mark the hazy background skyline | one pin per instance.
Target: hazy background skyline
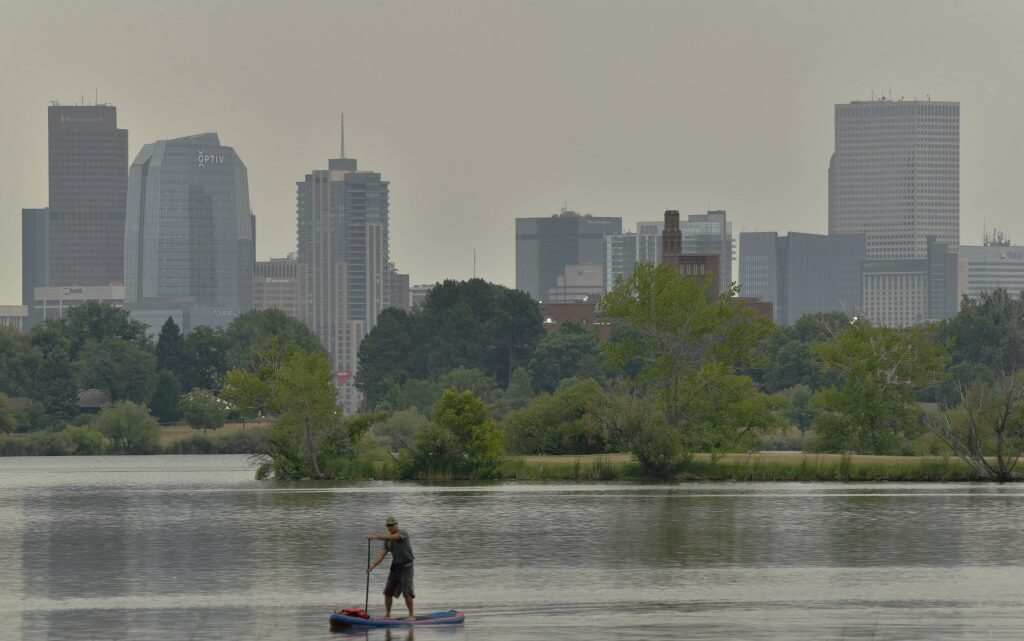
(479, 112)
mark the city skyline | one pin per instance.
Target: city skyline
(612, 111)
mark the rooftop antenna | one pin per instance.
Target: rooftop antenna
(474, 262)
(342, 135)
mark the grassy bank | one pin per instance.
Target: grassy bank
(171, 434)
(774, 466)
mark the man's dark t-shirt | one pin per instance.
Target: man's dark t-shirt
(401, 551)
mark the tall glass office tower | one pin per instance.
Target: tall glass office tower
(895, 175)
(189, 250)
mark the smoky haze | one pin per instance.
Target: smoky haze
(479, 112)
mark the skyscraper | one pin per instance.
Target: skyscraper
(88, 158)
(188, 246)
(546, 246)
(802, 273)
(343, 260)
(895, 175)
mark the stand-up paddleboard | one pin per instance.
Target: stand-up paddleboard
(437, 618)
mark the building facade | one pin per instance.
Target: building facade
(895, 175)
(275, 285)
(991, 267)
(35, 252)
(88, 176)
(14, 316)
(546, 246)
(901, 293)
(624, 251)
(188, 245)
(343, 261)
(707, 234)
(803, 274)
(701, 267)
(54, 302)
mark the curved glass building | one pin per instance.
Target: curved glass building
(189, 250)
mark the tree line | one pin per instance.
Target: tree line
(471, 375)
(142, 382)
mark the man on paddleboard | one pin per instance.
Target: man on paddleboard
(400, 577)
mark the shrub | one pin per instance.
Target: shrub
(129, 427)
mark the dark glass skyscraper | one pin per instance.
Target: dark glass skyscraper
(35, 251)
(88, 185)
(546, 246)
(189, 234)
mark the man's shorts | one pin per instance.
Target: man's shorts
(400, 582)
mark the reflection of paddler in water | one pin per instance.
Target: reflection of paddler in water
(390, 634)
(395, 635)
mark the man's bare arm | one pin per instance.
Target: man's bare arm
(376, 562)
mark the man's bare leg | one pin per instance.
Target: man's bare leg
(408, 604)
(387, 606)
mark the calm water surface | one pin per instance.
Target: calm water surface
(191, 547)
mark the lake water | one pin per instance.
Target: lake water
(191, 547)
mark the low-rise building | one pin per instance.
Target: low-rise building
(53, 302)
(15, 316)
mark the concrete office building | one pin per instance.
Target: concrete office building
(344, 260)
(400, 296)
(275, 285)
(901, 293)
(546, 246)
(895, 175)
(189, 250)
(710, 233)
(418, 294)
(88, 175)
(802, 274)
(54, 302)
(577, 283)
(995, 265)
(14, 316)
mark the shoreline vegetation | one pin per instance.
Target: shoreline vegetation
(683, 384)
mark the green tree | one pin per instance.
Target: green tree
(119, 368)
(206, 358)
(129, 427)
(792, 359)
(56, 388)
(399, 430)
(32, 417)
(310, 432)
(203, 411)
(517, 396)
(97, 322)
(874, 409)
(170, 350)
(19, 363)
(986, 429)
(568, 422)
(683, 341)
(164, 403)
(471, 324)
(255, 331)
(8, 422)
(989, 331)
(570, 351)
(462, 439)
(800, 411)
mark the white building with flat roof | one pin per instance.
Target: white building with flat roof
(895, 175)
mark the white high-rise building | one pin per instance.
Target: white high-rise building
(895, 175)
(343, 262)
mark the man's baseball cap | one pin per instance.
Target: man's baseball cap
(391, 521)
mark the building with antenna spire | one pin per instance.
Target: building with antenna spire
(343, 257)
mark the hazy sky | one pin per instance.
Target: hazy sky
(479, 112)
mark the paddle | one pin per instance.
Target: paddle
(367, 605)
